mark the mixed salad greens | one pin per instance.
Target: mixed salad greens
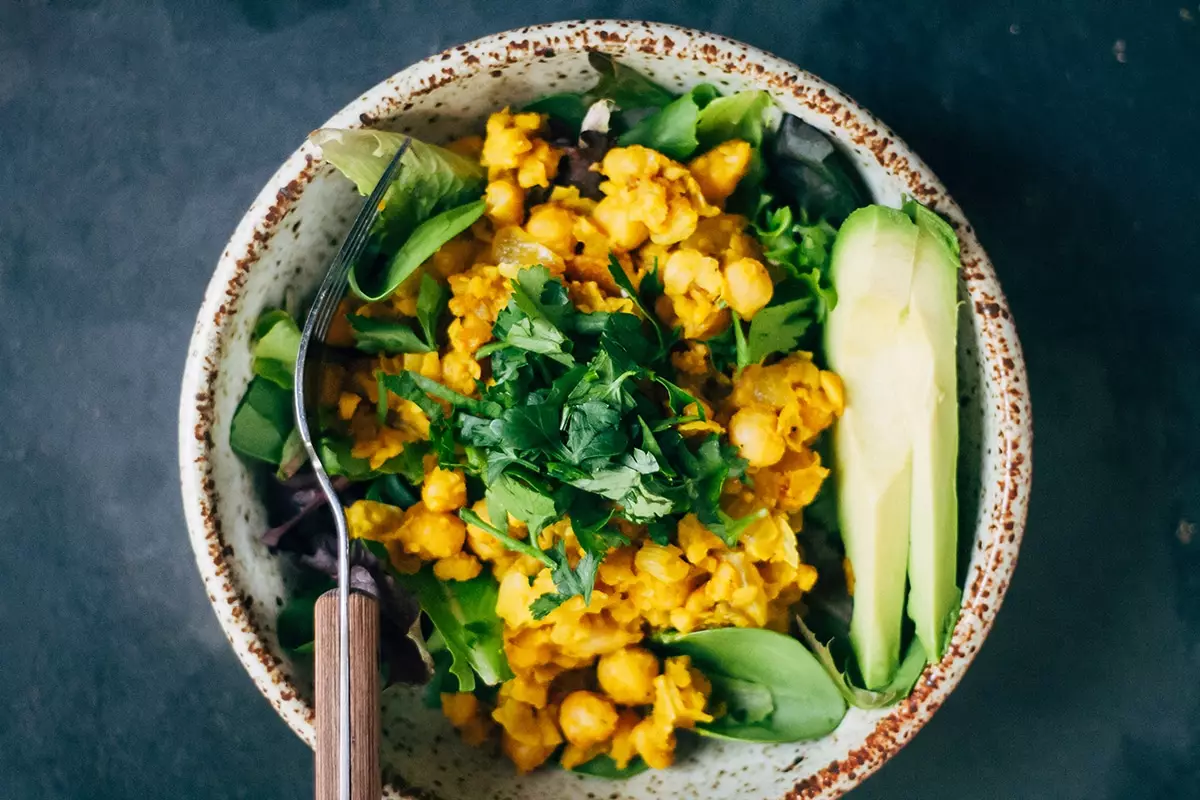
(583, 429)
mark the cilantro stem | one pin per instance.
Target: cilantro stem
(671, 422)
(735, 527)
(618, 274)
(381, 402)
(739, 338)
(516, 545)
(477, 407)
(491, 347)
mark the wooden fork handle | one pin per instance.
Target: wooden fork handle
(365, 781)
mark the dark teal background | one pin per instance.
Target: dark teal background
(133, 136)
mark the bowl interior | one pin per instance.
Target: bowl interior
(421, 754)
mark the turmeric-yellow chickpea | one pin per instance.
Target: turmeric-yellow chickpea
(627, 675)
(538, 166)
(625, 164)
(347, 403)
(460, 371)
(684, 267)
(655, 743)
(444, 490)
(552, 226)
(431, 534)
(587, 718)
(719, 170)
(754, 432)
(748, 287)
(462, 566)
(460, 708)
(526, 756)
(504, 203)
(615, 218)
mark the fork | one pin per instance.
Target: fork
(347, 625)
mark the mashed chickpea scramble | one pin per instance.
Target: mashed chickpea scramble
(583, 679)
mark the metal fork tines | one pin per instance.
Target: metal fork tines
(316, 326)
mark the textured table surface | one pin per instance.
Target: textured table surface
(133, 136)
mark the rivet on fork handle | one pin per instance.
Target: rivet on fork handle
(365, 782)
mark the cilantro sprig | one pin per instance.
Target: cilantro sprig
(580, 420)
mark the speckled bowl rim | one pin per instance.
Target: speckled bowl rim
(1002, 524)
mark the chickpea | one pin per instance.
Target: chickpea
(624, 164)
(459, 567)
(432, 534)
(444, 490)
(616, 220)
(719, 170)
(748, 287)
(505, 203)
(552, 226)
(754, 432)
(587, 718)
(683, 267)
(627, 675)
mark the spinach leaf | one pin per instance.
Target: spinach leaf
(432, 299)
(568, 107)
(602, 766)
(464, 613)
(672, 129)
(901, 685)
(295, 623)
(262, 422)
(748, 665)
(741, 115)
(810, 174)
(277, 342)
(393, 491)
(422, 243)
(385, 336)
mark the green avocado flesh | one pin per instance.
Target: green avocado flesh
(891, 337)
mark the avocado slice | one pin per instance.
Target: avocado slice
(891, 339)
(932, 550)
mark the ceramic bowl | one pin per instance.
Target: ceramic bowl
(287, 238)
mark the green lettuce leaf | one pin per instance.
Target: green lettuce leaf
(464, 613)
(672, 129)
(431, 181)
(262, 422)
(742, 115)
(277, 340)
